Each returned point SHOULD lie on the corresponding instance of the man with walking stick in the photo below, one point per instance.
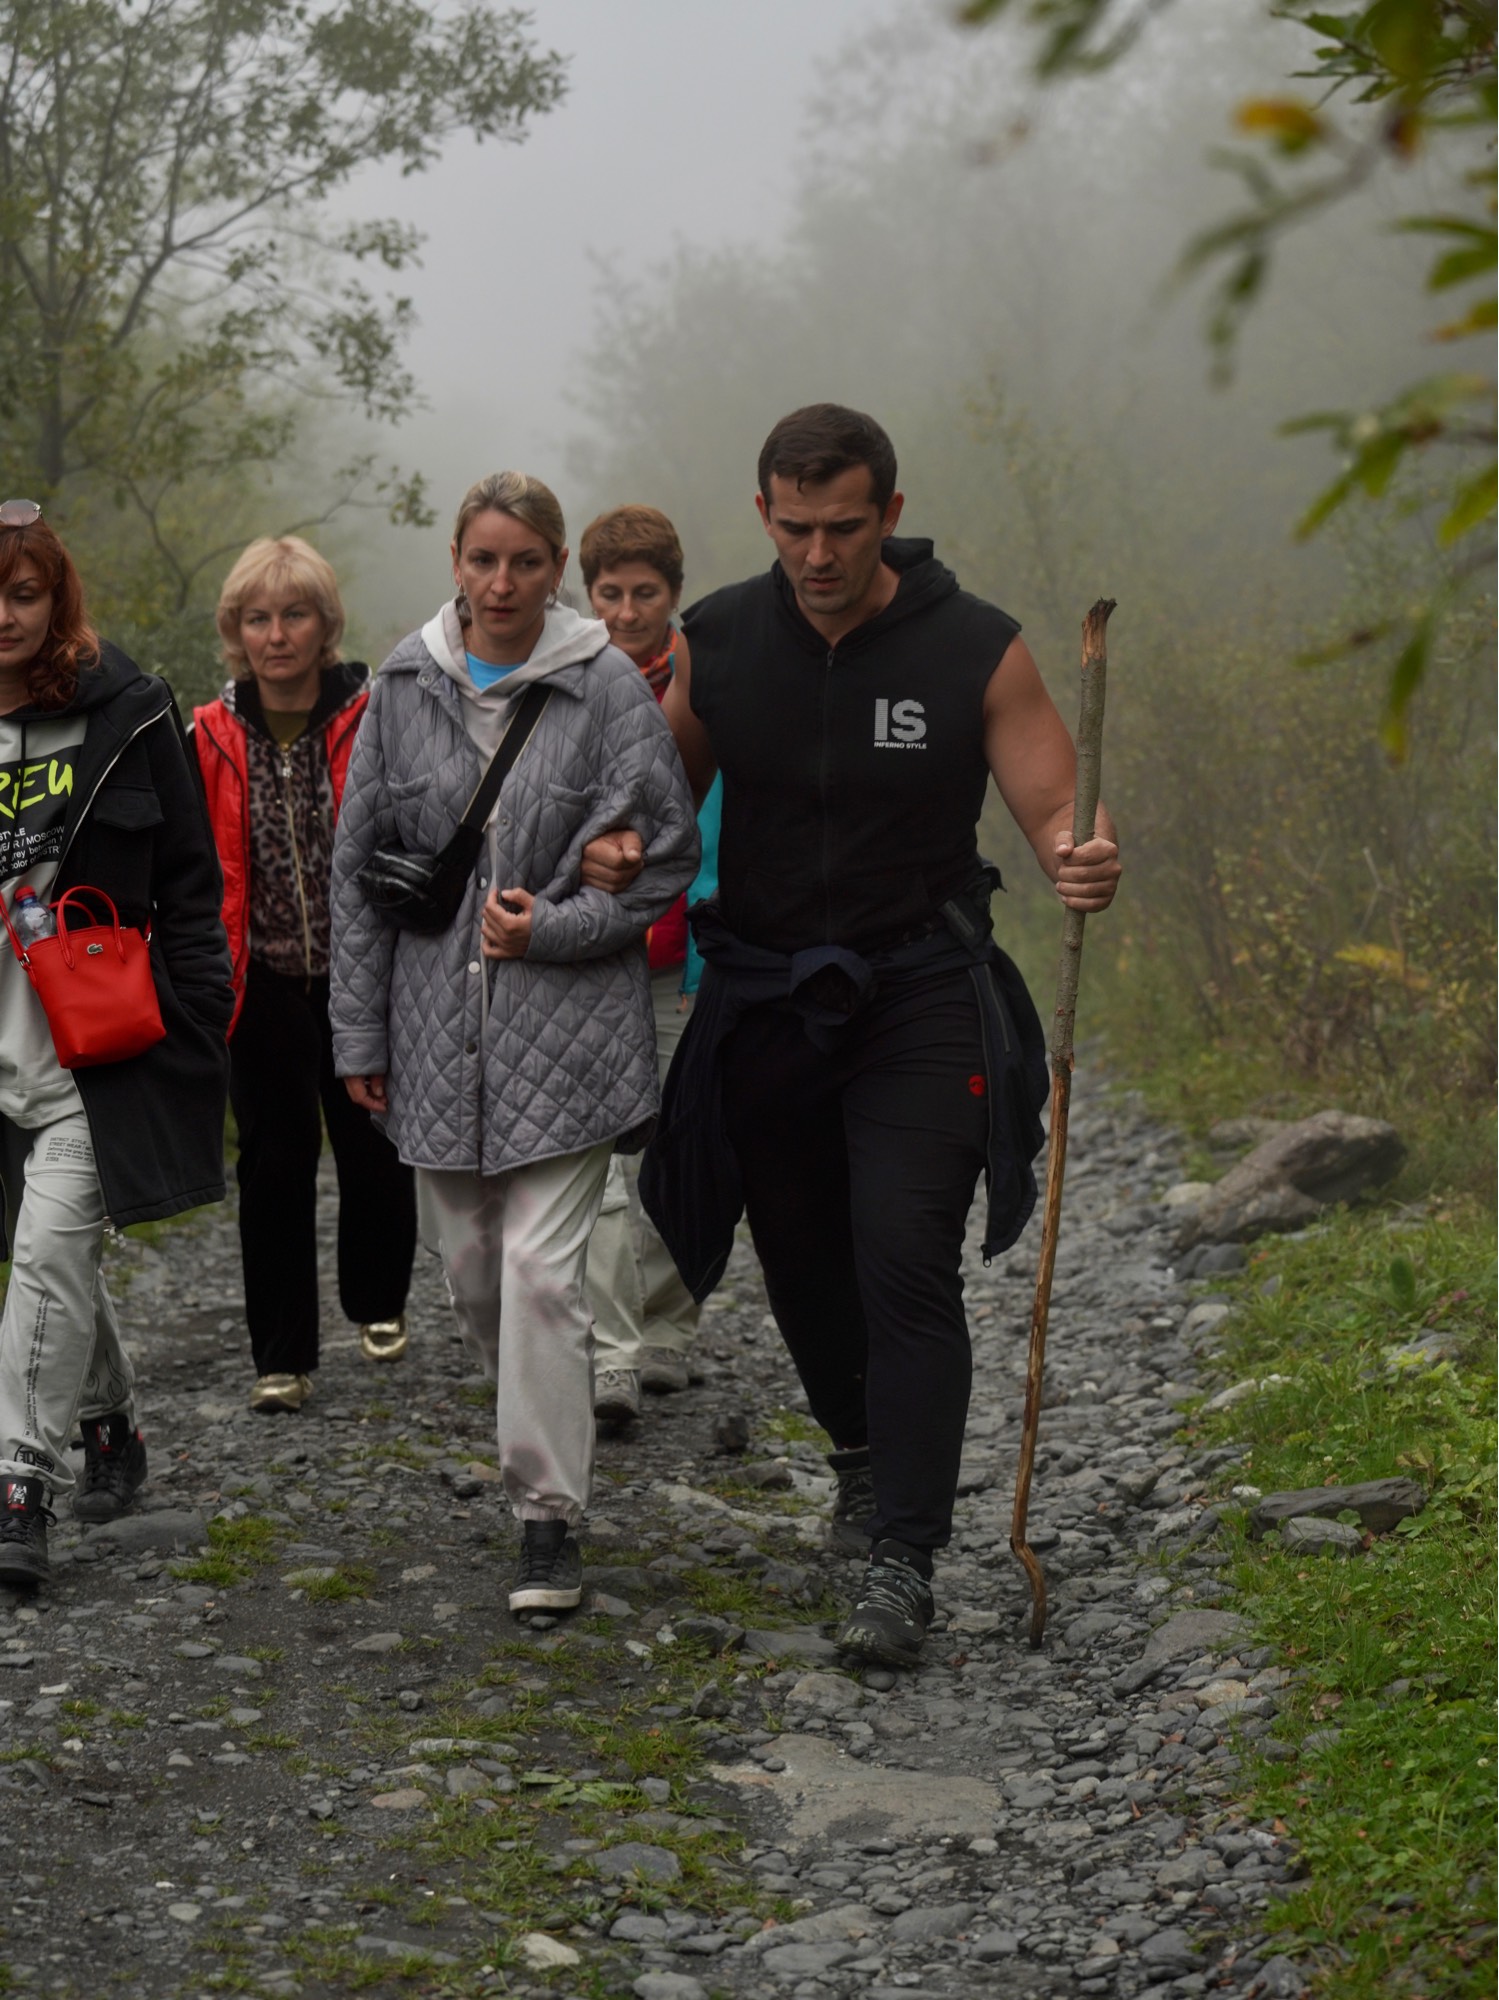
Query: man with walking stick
(861, 1051)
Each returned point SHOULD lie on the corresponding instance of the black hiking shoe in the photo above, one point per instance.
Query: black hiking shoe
(893, 1609)
(23, 1531)
(853, 1503)
(114, 1468)
(548, 1570)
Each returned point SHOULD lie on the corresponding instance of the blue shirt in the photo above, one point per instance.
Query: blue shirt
(484, 674)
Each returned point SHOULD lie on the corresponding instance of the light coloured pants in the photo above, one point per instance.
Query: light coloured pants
(60, 1353)
(513, 1249)
(634, 1292)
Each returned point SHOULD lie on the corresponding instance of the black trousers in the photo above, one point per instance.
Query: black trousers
(280, 1070)
(859, 1168)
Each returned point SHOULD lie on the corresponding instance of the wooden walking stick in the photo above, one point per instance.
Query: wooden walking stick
(1084, 810)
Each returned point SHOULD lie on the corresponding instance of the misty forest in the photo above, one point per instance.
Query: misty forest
(1188, 305)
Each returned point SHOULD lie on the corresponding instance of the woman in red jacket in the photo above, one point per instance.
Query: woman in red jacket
(274, 752)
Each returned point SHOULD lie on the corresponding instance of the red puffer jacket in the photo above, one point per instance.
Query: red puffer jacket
(219, 737)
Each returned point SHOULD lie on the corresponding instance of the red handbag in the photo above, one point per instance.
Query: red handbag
(94, 982)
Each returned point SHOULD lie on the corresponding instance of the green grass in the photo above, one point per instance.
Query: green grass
(348, 1580)
(235, 1550)
(1394, 1649)
(795, 1427)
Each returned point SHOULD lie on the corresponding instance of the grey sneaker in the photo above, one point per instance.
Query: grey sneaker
(853, 1503)
(616, 1395)
(548, 1570)
(893, 1609)
(663, 1371)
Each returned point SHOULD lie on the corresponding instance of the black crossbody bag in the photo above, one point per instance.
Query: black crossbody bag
(423, 892)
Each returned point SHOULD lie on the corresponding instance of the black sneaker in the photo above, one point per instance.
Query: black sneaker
(893, 1609)
(549, 1569)
(23, 1531)
(853, 1503)
(114, 1468)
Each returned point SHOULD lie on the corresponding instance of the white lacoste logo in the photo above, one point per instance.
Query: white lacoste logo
(899, 725)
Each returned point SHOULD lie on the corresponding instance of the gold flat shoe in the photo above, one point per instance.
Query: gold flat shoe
(384, 1339)
(281, 1392)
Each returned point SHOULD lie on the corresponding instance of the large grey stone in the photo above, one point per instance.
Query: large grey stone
(920, 1926)
(1280, 1978)
(828, 1694)
(668, 1986)
(1307, 1535)
(173, 1531)
(843, 1925)
(829, 1796)
(806, 1961)
(635, 1927)
(1189, 1633)
(804, 1642)
(1379, 1504)
(1287, 1181)
(631, 1857)
(1168, 1950)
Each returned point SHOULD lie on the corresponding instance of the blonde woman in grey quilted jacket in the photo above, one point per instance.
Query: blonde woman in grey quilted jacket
(509, 1055)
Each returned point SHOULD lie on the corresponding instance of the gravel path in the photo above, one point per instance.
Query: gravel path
(323, 1758)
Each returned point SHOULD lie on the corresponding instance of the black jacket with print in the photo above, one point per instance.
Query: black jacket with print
(136, 827)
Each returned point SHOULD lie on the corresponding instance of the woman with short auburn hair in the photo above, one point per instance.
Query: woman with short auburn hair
(274, 751)
(645, 1320)
(92, 749)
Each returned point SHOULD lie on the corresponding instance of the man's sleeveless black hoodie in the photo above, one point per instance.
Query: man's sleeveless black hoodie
(854, 775)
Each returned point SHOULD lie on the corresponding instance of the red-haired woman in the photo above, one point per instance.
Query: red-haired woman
(96, 788)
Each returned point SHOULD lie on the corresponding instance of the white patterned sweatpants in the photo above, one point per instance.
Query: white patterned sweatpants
(60, 1353)
(514, 1248)
(634, 1290)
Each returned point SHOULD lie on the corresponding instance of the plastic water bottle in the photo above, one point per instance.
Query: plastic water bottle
(33, 920)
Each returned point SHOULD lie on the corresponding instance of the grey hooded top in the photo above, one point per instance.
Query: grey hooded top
(493, 1064)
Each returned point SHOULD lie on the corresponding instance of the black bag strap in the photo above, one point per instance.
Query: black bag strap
(517, 736)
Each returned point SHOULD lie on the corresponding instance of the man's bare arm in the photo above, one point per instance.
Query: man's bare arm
(693, 746)
(1035, 766)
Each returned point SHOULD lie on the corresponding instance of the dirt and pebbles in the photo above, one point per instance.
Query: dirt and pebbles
(277, 1733)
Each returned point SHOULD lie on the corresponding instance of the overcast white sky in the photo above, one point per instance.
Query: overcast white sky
(681, 123)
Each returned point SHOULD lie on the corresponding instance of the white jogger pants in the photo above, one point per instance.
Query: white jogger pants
(60, 1353)
(513, 1249)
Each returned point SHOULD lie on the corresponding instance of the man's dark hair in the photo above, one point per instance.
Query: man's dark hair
(816, 444)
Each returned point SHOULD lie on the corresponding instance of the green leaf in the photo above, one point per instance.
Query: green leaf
(1475, 501)
(1403, 34)
(1405, 677)
(1459, 265)
(1326, 503)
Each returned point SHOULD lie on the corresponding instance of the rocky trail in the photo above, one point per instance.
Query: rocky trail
(276, 1733)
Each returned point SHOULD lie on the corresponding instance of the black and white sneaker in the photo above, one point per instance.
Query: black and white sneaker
(114, 1468)
(23, 1531)
(893, 1609)
(853, 1503)
(548, 1570)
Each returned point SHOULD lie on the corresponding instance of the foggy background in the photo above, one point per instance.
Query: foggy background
(949, 230)
(739, 210)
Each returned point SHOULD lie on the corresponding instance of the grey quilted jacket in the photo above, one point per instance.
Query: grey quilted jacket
(492, 1064)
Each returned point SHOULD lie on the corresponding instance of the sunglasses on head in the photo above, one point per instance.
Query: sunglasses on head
(20, 513)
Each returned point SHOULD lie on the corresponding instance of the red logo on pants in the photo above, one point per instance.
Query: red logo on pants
(976, 1086)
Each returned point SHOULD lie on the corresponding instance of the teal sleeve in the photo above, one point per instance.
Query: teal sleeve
(705, 883)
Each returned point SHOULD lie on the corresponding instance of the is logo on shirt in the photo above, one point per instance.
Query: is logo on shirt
(899, 725)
